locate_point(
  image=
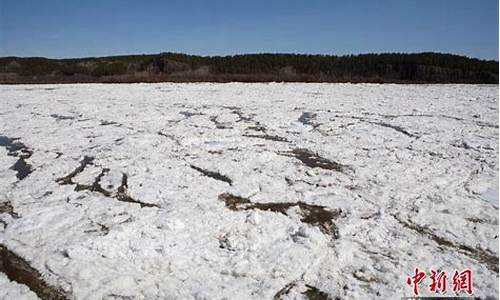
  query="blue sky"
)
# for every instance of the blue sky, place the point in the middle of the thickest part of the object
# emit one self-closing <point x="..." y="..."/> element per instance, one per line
<point x="81" y="28"/>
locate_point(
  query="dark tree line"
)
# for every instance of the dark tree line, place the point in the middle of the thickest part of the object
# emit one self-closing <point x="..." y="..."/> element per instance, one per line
<point x="390" y="67"/>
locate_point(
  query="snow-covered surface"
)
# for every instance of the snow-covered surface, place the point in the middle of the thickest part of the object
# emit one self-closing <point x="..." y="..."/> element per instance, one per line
<point x="418" y="188"/>
<point x="13" y="290"/>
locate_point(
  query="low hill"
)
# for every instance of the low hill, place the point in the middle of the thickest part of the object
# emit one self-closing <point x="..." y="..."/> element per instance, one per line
<point x="391" y="67"/>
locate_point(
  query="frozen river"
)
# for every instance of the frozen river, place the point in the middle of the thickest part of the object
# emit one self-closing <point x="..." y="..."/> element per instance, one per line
<point x="246" y="191"/>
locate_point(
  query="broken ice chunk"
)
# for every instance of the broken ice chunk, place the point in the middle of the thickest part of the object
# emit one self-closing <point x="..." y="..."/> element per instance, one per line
<point x="490" y="195"/>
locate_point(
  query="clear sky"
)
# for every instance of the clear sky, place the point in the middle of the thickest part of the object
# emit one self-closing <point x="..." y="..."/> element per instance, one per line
<point x="81" y="28"/>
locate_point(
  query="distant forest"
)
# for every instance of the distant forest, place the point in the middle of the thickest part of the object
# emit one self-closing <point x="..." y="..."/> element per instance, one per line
<point x="376" y="68"/>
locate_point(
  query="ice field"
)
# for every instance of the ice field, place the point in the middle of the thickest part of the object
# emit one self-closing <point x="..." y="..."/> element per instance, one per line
<point x="245" y="191"/>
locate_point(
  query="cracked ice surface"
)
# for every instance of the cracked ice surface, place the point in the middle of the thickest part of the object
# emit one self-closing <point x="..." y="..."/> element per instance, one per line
<point x="407" y="173"/>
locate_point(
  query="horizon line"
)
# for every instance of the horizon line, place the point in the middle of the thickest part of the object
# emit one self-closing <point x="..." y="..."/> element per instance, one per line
<point x="251" y="53"/>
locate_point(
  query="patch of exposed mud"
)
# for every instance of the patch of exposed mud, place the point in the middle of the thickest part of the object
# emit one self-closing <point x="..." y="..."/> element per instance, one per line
<point x="39" y="89"/>
<point x="311" y="292"/>
<point x="101" y="229"/>
<point x="96" y="185"/>
<point x="6" y="208"/>
<point x="313" y="160"/>
<point x="212" y="174"/>
<point x="123" y="196"/>
<point x="462" y="144"/>
<point x="22" y="168"/>
<point x="62" y="117"/>
<point x="268" y="137"/>
<point x="307" y="119"/>
<point x="22" y="152"/>
<point x="121" y="193"/>
<point x="394" y="127"/>
<point x="284" y="291"/>
<point x="314" y="215"/>
<point x="483" y="256"/>
<point x="189" y="114"/>
<point x="118" y="297"/>
<point x="382" y="124"/>
<point x="106" y="123"/>
<point x="215" y="151"/>
<point x="17" y="269"/>
<point x="486" y="124"/>
<point x="68" y="179"/>
<point x="220" y="125"/>
<point x="11" y="145"/>
<point x="391" y="116"/>
<point x="241" y="117"/>
<point x="170" y="136"/>
<point x="257" y="127"/>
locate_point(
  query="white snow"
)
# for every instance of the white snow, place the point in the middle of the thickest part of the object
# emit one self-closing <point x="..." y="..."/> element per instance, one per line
<point x="12" y="290"/>
<point x="420" y="167"/>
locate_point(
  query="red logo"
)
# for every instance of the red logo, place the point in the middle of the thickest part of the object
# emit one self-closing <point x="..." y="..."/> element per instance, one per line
<point x="462" y="281"/>
<point x="415" y="280"/>
<point x="438" y="281"/>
